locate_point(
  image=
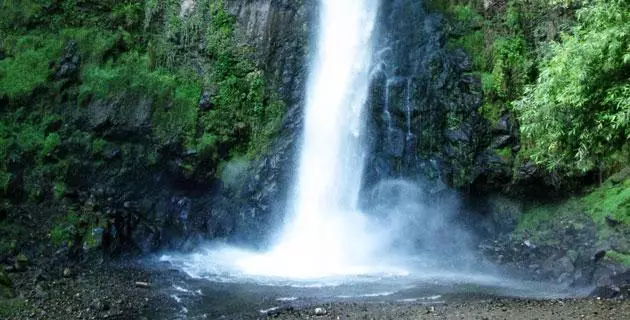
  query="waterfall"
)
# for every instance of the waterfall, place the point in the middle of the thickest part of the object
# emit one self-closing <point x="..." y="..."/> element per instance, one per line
<point x="332" y="155"/>
<point x="325" y="234"/>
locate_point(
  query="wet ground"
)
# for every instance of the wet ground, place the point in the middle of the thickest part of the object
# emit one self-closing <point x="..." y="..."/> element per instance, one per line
<point x="158" y="291"/>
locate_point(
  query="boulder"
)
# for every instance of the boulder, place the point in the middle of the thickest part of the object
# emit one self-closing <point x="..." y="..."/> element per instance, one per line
<point x="616" y="286"/>
<point x="21" y="262"/>
<point x="205" y="101"/>
<point x="68" y="64"/>
<point x="501" y="142"/>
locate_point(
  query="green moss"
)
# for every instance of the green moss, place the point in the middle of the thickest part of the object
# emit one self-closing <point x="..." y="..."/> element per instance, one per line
<point x="10" y="233"/>
<point x="5" y="179"/>
<point x="610" y="200"/>
<point x="59" y="190"/>
<point x="80" y="227"/>
<point x="49" y="144"/>
<point x="64" y="229"/>
<point x="11" y="307"/>
<point x="206" y="145"/>
<point x="98" y="145"/>
<point x="473" y="44"/>
<point x="505" y="153"/>
<point x="619" y="257"/>
<point x="176" y="125"/>
<point x="28" y="64"/>
<point x="542" y="222"/>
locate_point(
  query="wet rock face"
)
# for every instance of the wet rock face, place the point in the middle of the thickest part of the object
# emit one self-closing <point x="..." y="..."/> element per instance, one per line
<point x="613" y="286"/>
<point x="165" y="211"/>
<point x="422" y="104"/>
<point x="278" y="30"/>
<point x="568" y="255"/>
<point x="258" y="205"/>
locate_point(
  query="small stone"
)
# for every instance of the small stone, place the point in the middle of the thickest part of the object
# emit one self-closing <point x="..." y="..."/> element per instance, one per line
<point x="67" y="273"/>
<point x="40" y="293"/>
<point x="205" y="101"/>
<point x="142" y="284"/>
<point x="320" y="311"/>
<point x="99" y="305"/>
<point x="21" y="262"/>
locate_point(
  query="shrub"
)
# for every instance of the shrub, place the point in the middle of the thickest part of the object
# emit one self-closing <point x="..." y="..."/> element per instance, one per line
<point x="578" y="112"/>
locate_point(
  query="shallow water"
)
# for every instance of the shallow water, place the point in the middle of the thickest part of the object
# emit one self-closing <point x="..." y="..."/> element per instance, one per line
<point x="218" y="289"/>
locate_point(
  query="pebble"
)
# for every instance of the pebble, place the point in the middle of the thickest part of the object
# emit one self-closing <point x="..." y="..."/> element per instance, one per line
<point x="320" y="311"/>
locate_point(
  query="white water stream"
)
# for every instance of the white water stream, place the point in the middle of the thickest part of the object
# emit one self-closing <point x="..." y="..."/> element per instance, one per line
<point x="326" y="242"/>
<point x="324" y="235"/>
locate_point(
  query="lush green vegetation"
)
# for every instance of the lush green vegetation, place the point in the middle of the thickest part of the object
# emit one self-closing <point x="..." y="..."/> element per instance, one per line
<point x="132" y="54"/>
<point x="562" y="67"/>
<point x="577" y="114"/>
<point x="121" y="58"/>
<point x="610" y="201"/>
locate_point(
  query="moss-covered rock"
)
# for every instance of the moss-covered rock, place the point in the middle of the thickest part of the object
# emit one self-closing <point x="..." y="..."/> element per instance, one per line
<point x="602" y="212"/>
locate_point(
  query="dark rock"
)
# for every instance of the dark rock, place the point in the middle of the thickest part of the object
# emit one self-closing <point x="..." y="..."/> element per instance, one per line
<point x="501" y="142"/>
<point x="527" y="171"/>
<point x="39" y="276"/>
<point x="67" y="273"/>
<point x="502" y="215"/>
<point x="503" y="126"/>
<point x="99" y="305"/>
<point x="516" y="148"/>
<point x="120" y="116"/>
<point x="112" y="152"/>
<point x="68" y="64"/>
<point x="492" y="172"/>
<point x="395" y="145"/>
<point x="611" y="221"/>
<point x="21" y="262"/>
<point x="205" y="101"/>
<point x="462" y="60"/>
<point x="461" y="134"/>
<point x="599" y="255"/>
<point x="40" y="292"/>
<point x="606" y="292"/>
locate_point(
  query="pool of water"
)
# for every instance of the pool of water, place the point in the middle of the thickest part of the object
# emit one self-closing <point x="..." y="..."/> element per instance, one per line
<point x="212" y="285"/>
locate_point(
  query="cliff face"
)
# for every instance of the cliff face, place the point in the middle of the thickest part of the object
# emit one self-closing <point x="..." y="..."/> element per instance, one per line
<point x="180" y="121"/>
<point x="279" y="31"/>
<point x="141" y="132"/>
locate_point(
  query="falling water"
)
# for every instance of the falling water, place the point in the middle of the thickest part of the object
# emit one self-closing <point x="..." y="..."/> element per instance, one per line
<point x="327" y="241"/>
<point x="325" y="233"/>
